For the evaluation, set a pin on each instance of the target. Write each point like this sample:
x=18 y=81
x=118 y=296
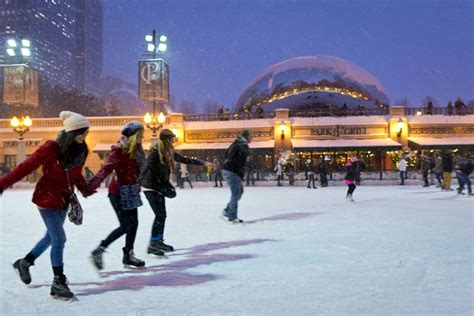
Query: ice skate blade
x=226 y=219
x=153 y=256
x=127 y=266
x=62 y=298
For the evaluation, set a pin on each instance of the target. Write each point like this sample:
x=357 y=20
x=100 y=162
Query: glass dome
x=313 y=82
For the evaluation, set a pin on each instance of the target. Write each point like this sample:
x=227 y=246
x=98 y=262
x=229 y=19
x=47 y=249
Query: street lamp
x=400 y=125
x=21 y=126
x=21 y=49
x=282 y=129
x=153 y=47
x=154 y=122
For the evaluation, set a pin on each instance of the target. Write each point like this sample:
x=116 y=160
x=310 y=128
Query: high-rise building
x=65 y=35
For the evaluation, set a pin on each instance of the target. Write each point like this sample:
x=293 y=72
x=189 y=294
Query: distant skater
x=350 y=178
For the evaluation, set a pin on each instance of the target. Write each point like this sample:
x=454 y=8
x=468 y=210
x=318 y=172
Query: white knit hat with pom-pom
x=73 y=121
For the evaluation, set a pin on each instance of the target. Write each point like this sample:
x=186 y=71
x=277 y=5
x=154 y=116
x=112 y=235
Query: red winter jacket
x=52 y=189
x=126 y=170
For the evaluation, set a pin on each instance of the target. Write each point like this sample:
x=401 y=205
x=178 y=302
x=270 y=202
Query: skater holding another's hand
x=127 y=158
x=156 y=185
x=62 y=162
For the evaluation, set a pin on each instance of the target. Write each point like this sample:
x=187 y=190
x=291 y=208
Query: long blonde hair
x=166 y=151
x=131 y=146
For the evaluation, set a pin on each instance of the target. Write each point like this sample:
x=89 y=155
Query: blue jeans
x=402 y=177
x=157 y=204
x=237 y=189
x=463 y=181
x=55 y=235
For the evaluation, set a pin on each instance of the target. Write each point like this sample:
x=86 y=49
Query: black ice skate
x=157 y=246
x=130 y=261
x=23 y=268
x=59 y=288
x=96 y=257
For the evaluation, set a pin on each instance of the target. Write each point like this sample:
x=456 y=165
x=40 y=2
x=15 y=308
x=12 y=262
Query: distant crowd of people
x=459 y=108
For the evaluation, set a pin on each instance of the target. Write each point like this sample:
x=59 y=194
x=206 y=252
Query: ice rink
x=396 y=250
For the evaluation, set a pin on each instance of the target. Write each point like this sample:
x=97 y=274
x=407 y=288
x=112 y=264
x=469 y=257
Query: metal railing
x=228 y=116
x=337 y=112
x=439 y=111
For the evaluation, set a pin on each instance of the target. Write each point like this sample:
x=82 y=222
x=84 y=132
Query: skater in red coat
x=60 y=160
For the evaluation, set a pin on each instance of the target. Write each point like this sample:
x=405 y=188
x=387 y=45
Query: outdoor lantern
x=282 y=129
x=147 y=118
x=400 y=127
x=161 y=118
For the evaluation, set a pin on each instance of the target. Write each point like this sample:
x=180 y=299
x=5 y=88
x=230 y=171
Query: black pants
x=351 y=188
x=157 y=204
x=218 y=177
x=324 y=180
x=128 y=224
x=311 y=180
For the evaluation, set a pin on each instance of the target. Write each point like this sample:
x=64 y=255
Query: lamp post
x=282 y=130
x=154 y=46
x=400 y=125
x=22 y=48
x=21 y=126
x=154 y=123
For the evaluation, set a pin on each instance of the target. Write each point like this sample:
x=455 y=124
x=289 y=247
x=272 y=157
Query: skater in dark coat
x=350 y=178
x=126 y=159
x=156 y=185
x=233 y=173
x=62 y=162
x=323 y=173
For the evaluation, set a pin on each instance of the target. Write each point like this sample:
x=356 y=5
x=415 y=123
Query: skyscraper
x=65 y=35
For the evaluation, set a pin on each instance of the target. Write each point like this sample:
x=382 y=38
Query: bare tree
x=428 y=99
x=210 y=106
x=187 y=107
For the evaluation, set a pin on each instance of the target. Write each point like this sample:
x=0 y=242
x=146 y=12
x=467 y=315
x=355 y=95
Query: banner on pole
x=20 y=85
x=153 y=80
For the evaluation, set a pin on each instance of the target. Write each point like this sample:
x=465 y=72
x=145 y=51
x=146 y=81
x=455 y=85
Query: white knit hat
x=73 y=121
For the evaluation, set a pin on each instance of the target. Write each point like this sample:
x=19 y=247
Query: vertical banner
x=13 y=84
x=153 y=80
x=20 y=85
x=31 y=87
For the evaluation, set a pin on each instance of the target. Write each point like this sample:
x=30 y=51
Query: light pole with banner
x=153 y=82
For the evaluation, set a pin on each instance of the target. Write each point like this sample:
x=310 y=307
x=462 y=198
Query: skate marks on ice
x=172 y=274
x=284 y=217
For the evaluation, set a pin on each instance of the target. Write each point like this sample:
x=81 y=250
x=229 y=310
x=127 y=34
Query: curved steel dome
x=313 y=82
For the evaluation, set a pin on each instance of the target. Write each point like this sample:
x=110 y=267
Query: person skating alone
x=60 y=160
x=184 y=175
x=350 y=178
x=402 y=166
x=156 y=185
x=127 y=159
x=311 y=180
x=217 y=173
x=233 y=173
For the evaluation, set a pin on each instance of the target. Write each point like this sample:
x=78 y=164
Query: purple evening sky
x=415 y=48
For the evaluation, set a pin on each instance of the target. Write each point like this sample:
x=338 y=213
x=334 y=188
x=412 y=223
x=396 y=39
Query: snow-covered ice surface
x=396 y=250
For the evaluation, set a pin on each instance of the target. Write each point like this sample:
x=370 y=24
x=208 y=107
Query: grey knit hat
x=131 y=128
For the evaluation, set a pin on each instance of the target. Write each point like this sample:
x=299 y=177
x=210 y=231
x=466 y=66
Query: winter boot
x=130 y=261
x=59 y=287
x=154 y=249
x=23 y=268
x=96 y=257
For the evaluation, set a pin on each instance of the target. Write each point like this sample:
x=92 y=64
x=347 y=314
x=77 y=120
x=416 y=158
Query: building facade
x=65 y=35
x=378 y=140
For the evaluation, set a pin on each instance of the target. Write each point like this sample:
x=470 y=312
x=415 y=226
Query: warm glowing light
x=419 y=112
x=161 y=118
x=282 y=127
x=14 y=122
x=147 y=118
x=27 y=121
x=400 y=124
